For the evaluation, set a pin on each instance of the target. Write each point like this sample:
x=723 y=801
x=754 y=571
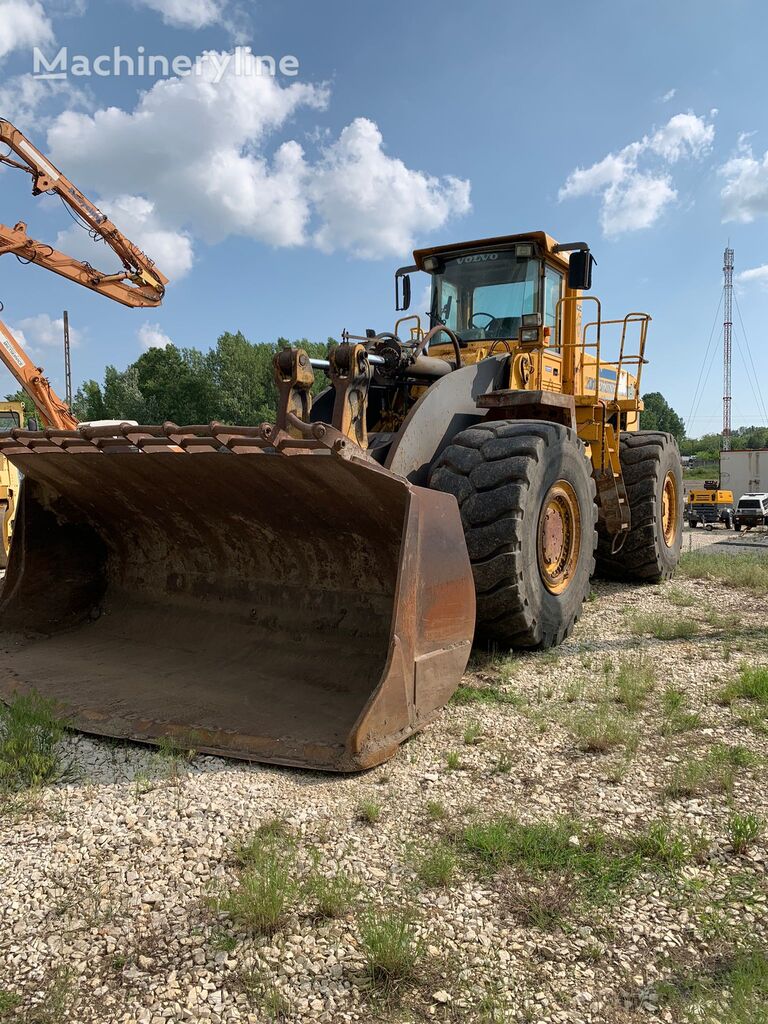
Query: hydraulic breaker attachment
x=250 y=593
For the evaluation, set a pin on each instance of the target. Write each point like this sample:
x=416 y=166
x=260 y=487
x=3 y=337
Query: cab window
x=553 y=290
x=8 y=420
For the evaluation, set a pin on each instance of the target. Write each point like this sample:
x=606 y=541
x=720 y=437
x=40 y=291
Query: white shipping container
x=744 y=471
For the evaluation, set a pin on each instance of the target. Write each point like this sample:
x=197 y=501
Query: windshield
x=8 y=420
x=485 y=294
x=749 y=503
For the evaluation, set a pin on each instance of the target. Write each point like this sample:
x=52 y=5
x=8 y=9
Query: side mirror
x=32 y=423
x=580 y=270
x=406 y=293
x=403 y=300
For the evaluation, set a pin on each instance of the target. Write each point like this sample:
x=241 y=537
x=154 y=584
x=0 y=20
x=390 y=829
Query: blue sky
x=281 y=206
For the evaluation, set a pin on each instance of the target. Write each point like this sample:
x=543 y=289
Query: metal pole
x=727 y=330
x=67 y=361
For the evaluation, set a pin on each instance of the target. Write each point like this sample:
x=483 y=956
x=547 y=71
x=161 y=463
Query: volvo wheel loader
x=307 y=591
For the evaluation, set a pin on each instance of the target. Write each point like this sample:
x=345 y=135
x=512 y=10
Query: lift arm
x=140 y=283
x=52 y=411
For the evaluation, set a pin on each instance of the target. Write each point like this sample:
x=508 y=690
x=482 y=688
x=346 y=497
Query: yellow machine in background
x=11 y=415
x=709 y=506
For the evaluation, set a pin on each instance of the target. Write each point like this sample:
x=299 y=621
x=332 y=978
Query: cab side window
x=553 y=290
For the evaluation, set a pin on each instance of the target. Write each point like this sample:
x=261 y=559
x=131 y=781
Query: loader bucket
x=276 y=602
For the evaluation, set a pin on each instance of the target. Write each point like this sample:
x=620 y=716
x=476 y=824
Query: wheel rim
x=559 y=537
x=669 y=511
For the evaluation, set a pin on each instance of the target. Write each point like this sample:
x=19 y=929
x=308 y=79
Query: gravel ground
x=108 y=880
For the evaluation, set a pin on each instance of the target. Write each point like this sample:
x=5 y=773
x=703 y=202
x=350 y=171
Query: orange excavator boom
x=140 y=283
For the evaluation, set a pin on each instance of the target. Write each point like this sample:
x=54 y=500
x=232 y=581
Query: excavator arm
x=140 y=283
x=52 y=411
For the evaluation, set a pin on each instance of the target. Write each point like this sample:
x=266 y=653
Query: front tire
x=527 y=502
x=653 y=477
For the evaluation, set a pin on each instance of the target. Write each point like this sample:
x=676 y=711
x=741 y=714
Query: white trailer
x=744 y=471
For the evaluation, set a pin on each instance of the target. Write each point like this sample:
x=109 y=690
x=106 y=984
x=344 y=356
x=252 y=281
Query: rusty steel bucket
x=277 y=601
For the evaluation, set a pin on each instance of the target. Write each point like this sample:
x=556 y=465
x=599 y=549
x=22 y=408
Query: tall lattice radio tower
x=727 y=329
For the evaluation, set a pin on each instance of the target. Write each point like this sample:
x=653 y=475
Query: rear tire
x=650 y=463
x=527 y=502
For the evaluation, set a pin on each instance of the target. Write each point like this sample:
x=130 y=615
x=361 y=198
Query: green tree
x=233 y=383
x=658 y=414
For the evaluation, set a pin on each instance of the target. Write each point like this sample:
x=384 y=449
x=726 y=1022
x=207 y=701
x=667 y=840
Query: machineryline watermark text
x=140 y=64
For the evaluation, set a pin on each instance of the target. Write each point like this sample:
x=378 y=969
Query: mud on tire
x=650 y=461
x=507 y=477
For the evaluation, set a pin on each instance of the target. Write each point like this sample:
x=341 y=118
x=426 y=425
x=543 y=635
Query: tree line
x=233 y=383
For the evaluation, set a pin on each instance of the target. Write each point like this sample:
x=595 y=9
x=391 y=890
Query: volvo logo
x=481 y=257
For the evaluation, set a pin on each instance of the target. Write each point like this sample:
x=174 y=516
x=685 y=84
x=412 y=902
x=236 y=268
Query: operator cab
x=501 y=289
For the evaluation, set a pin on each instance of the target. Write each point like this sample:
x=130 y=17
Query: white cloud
x=42 y=331
x=684 y=135
x=635 y=203
x=745 y=193
x=151 y=336
x=669 y=95
x=23 y=23
x=371 y=203
x=200 y=150
x=186 y=13
x=633 y=191
x=755 y=275
x=24 y=97
x=135 y=216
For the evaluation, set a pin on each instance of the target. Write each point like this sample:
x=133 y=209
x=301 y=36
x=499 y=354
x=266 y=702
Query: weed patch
x=369 y=811
x=265 y=892
x=436 y=867
x=745 y=571
x=663 y=627
x=30 y=743
x=715 y=772
x=743 y=830
x=391 y=946
x=676 y=717
x=331 y=896
x=602 y=729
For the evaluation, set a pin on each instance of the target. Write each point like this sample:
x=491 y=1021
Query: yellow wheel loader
x=307 y=591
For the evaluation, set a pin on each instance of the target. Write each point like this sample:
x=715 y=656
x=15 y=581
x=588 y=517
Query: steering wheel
x=490 y=316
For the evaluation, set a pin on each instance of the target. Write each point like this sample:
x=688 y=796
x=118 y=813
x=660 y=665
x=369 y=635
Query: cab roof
x=544 y=241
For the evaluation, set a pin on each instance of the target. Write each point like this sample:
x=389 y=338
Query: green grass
x=602 y=729
x=744 y=571
x=663 y=627
x=436 y=866
x=473 y=734
x=436 y=810
x=728 y=988
x=30 y=743
x=391 y=946
x=751 y=685
x=8 y=1002
x=273 y=834
x=265 y=893
x=563 y=846
x=743 y=830
x=453 y=760
x=660 y=845
x=635 y=679
x=715 y=772
x=679 y=598
x=676 y=718
x=369 y=811
x=489 y=694
x=331 y=895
